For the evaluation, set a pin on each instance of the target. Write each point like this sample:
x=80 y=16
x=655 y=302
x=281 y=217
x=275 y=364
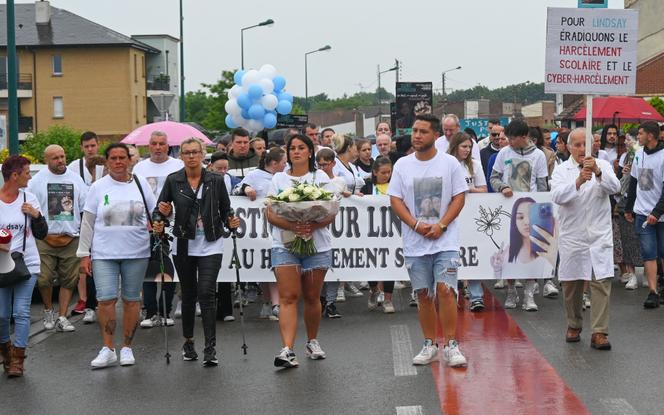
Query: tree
x=658 y=104
x=206 y=107
x=66 y=137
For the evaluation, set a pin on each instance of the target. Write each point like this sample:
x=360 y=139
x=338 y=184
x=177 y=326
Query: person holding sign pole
x=431 y=242
x=580 y=187
x=645 y=204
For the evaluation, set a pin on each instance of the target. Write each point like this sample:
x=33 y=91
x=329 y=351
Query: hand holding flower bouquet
x=303 y=202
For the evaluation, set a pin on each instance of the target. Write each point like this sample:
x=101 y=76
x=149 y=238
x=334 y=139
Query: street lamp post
x=306 y=74
x=378 y=91
x=182 y=107
x=444 y=94
x=12 y=98
x=265 y=23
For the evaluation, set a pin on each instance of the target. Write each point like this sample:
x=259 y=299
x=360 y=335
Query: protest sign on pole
x=480 y=125
x=593 y=4
x=412 y=98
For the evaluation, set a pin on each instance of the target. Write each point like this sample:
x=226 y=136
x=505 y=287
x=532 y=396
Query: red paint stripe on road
x=506 y=374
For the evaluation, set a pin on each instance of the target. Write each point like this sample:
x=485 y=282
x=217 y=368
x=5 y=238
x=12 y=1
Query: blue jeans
x=476 y=291
x=107 y=274
x=22 y=293
x=330 y=291
x=282 y=256
x=651 y=238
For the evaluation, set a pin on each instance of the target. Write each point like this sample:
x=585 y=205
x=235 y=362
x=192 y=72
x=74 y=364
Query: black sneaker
x=188 y=351
x=286 y=358
x=331 y=311
x=652 y=301
x=477 y=305
x=210 y=357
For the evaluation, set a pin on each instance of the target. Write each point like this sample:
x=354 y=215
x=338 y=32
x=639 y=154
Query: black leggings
x=202 y=287
x=388 y=286
x=154 y=305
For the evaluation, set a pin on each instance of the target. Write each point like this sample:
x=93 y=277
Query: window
x=58 y=108
x=143 y=67
x=57 y=65
x=135 y=68
x=136 y=107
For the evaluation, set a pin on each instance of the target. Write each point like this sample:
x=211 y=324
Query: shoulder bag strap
x=145 y=204
x=25 y=224
x=80 y=168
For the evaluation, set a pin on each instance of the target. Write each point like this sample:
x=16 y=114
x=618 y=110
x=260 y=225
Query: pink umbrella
x=175 y=131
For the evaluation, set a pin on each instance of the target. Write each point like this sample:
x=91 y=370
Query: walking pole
x=158 y=245
x=236 y=262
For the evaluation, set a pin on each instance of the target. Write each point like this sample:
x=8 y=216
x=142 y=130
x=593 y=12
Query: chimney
x=42 y=12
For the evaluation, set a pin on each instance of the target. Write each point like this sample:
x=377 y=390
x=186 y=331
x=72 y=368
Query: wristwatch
x=442 y=227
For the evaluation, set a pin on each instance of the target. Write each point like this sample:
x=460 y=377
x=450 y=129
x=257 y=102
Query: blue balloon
x=243 y=101
x=270 y=120
x=256 y=112
x=285 y=96
x=279 y=83
x=229 y=122
x=245 y=114
x=284 y=107
x=238 y=77
x=255 y=91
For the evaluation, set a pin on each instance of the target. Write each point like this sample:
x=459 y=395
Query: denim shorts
x=282 y=256
x=427 y=271
x=651 y=238
x=108 y=272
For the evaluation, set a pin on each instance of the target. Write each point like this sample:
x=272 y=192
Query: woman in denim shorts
x=299 y=276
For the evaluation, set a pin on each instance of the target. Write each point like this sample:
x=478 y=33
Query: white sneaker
x=105 y=358
x=500 y=284
x=550 y=290
x=341 y=295
x=586 y=300
x=518 y=284
x=625 y=277
x=127 y=357
x=632 y=284
x=198 y=309
x=229 y=318
x=63 y=325
x=364 y=286
x=274 y=313
x=89 y=316
x=529 y=296
x=313 y=350
x=169 y=321
x=398 y=285
x=381 y=298
x=153 y=321
x=178 y=310
x=535 y=288
x=512 y=298
x=352 y=290
x=372 y=304
x=266 y=311
x=428 y=354
x=49 y=319
x=388 y=307
x=453 y=356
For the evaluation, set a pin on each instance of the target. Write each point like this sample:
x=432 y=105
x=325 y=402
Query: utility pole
x=182 y=110
x=12 y=104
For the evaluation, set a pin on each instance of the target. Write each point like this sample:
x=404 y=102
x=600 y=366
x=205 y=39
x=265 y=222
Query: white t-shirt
x=13 y=219
x=156 y=173
x=199 y=246
x=75 y=166
x=281 y=181
x=337 y=185
x=120 y=230
x=648 y=170
x=521 y=171
x=443 y=144
x=62 y=198
x=611 y=153
x=603 y=155
x=427 y=188
x=351 y=174
x=477 y=178
x=259 y=180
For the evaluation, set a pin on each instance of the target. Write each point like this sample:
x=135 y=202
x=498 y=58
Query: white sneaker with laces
x=388 y=307
x=89 y=316
x=550 y=290
x=127 y=357
x=229 y=318
x=500 y=284
x=364 y=286
x=529 y=296
x=63 y=325
x=169 y=322
x=352 y=290
x=625 y=277
x=178 y=310
x=453 y=356
x=632 y=284
x=372 y=304
x=153 y=321
x=512 y=298
x=274 y=313
x=313 y=350
x=398 y=285
x=428 y=354
x=341 y=295
x=381 y=298
x=49 y=319
x=518 y=284
x=105 y=358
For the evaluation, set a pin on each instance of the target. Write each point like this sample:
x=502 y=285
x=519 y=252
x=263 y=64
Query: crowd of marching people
x=112 y=225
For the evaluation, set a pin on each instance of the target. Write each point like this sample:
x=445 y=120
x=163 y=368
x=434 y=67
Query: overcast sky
x=496 y=42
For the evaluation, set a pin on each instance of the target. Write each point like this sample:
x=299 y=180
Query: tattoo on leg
x=130 y=338
x=110 y=327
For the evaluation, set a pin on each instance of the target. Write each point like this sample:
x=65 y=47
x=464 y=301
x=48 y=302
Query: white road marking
x=402 y=351
x=618 y=406
x=409 y=410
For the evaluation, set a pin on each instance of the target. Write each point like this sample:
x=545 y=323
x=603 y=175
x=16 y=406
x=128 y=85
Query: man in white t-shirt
x=451 y=126
x=427 y=192
x=61 y=194
x=90 y=148
x=520 y=167
x=645 y=204
x=155 y=170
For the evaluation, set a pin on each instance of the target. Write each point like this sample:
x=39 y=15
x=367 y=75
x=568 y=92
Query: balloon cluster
x=256 y=99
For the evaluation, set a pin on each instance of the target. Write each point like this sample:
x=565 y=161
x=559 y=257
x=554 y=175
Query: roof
x=66 y=30
x=570 y=111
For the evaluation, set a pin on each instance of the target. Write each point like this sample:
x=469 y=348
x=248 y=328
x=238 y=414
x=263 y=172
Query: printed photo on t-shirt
x=155 y=183
x=60 y=198
x=646 y=179
x=428 y=196
x=520 y=175
x=124 y=213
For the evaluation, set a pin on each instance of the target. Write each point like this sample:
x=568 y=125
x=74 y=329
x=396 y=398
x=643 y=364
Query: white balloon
x=254 y=126
x=232 y=107
x=267 y=85
x=238 y=120
x=235 y=91
x=268 y=71
x=269 y=102
x=252 y=76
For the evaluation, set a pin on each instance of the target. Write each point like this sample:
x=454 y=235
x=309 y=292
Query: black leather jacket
x=214 y=205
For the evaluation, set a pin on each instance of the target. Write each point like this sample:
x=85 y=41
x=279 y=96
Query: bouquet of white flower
x=303 y=203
